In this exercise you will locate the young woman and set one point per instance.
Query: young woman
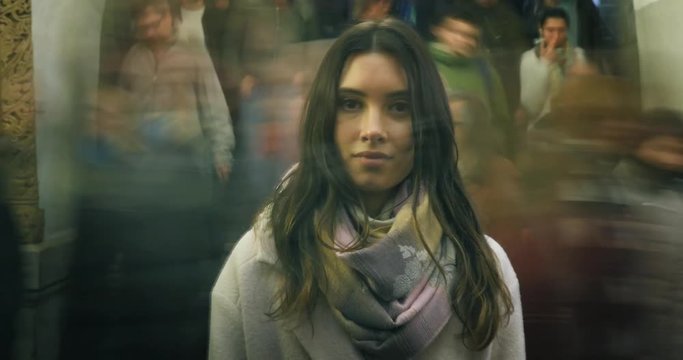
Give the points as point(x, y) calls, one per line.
point(369, 247)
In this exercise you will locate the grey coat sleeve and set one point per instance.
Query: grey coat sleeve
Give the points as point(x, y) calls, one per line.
point(213, 111)
point(226, 326)
point(226, 335)
point(509, 342)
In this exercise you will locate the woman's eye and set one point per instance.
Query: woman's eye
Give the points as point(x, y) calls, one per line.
point(400, 108)
point(350, 105)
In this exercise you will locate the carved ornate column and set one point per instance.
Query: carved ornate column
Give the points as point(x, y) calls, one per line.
point(17, 115)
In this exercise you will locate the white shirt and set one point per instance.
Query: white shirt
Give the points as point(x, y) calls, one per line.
point(535, 78)
point(191, 30)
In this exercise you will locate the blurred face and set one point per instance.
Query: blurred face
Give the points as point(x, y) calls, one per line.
point(376, 10)
point(221, 4)
point(554, 32)
point(155, 25)
point(461, 38)
point(373, 131)
point(664, 152)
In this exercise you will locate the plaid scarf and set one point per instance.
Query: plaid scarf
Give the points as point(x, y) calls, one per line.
point(390, 296)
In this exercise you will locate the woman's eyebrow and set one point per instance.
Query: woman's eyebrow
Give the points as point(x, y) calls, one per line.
point(402, 94)
point(349, 91)
point(391, 95)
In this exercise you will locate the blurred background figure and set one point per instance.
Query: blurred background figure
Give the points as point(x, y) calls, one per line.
point(365, 10)
point(464, 67)
point(147, 248)
point(544, 67)
point(588, 30)
point(502, 34)
point(491, 179)
point(265, 65)
point(654, 171)
point(652, 180)
point(591, 279)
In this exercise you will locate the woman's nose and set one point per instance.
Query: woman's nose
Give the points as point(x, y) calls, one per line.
point(372, 127)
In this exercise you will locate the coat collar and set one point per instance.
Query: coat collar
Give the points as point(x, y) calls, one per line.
point(320, 334)
point(263, 234)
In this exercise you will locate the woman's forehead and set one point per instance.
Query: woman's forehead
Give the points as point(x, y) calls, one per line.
point(373, 69)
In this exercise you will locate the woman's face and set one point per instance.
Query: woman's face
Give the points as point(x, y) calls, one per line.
point(373, 131)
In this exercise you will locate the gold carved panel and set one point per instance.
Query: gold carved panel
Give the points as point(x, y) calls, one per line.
point(17, 123)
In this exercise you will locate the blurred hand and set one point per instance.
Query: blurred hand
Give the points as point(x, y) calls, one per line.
point(247, 86)
point(222, 171)
point(548, 51)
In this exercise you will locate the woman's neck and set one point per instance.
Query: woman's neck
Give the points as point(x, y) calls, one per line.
point(374, 202)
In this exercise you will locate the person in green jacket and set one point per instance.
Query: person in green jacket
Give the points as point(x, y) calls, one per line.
point(464, 66)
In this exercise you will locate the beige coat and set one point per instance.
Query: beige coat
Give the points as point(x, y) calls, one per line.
point(241, 330)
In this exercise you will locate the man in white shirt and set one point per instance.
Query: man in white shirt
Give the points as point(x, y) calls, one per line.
point(544, 67)
point(191, 29)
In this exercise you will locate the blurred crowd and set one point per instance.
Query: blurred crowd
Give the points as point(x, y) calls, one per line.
point(196, 118)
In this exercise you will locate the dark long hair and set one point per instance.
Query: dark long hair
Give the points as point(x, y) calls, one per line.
point(304, 206)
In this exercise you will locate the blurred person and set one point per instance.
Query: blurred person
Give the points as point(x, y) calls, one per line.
point(203, 25)
point(544, 67)
point(354, 256)
point(11, 289)
point(590, 255)
point(372, 9)
point(257, 35)
point(263, 65)
point(491, 180)
point(154, 151)
point(658, 158)
point(176, 91)
point(502, 34)
point(427, 10)
point(464, 67)
point(653, 185)
point(588, 30)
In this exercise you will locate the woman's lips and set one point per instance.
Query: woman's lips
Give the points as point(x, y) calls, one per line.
point(371, 158)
